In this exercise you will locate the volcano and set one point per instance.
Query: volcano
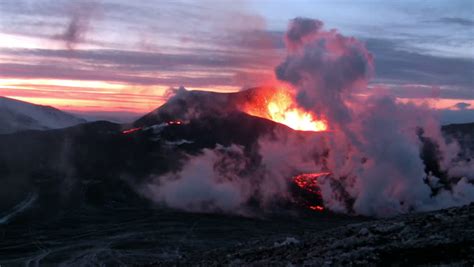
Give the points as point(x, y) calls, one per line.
point(77, 166)
point(95, 170)
point(272, 103)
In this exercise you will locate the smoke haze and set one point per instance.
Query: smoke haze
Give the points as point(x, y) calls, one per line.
point(385, 157)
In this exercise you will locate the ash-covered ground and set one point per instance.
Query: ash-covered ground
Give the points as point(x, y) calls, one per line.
point(73, 197)
point(136, 236)
point(70, 197)
point(441, 238)
point(151, 237)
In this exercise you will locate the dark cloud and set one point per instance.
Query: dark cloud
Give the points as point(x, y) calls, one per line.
point(374, 155)
point(457, 116)
point(215, 68)
point(402, 66)
point(452, 77)
point(301, 29)
point(462, 105)
point(66, 72)
point(323, 65)
point(432, 76)
point(204, 45)
point(75, 31)
point(256, 39)
point(458, 21)
point(206, 22)
point(425, 91)
point(132, 59)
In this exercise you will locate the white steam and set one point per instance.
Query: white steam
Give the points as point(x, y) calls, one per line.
point(228, 180)
point(375, 154)
point(374, 151)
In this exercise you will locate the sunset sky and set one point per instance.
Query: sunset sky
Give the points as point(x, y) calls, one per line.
point(117, 58)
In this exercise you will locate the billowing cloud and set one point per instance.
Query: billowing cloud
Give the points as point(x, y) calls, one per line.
point(458, 21)
point(383, 157)
point(374, 155)
point(324, 65)
point(462, 106)
point(214, 46)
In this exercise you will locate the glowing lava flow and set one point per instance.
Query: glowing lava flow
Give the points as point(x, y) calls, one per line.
point(279, 105)
point(308, 182)
point(129, 131)
point(316, 208)
point(175, 122)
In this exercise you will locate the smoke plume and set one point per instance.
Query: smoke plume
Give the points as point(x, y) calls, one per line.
point(78, 23)
point(224, 179)
point(375, 153)
point(384, 157)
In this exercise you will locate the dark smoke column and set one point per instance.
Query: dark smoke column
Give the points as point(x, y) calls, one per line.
point(374, 152)
point(324, 66)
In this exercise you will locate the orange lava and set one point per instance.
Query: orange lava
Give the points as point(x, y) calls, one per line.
point(279, 105)
point(316, 208)
point(175, 123)
point(308, 181)
point(129, 131)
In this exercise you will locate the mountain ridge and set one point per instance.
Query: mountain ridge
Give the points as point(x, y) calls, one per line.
point(16, 115)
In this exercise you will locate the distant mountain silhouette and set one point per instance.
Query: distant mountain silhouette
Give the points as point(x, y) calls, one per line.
point(17, 116)
point(99, 164)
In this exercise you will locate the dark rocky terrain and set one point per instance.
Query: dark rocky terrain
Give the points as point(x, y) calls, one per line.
point(69, 196)
point(443, 237)
point(139, 236)
point(17, 116)
point(76, 166)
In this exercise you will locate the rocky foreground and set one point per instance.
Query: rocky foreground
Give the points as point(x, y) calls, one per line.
point(434, 238)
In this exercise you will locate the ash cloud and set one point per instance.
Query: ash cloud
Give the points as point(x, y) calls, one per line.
point(374, 155)
point(74, 32)
point(224, 179)
point(78, 23)
point(324, 66)
point(385, 157)
point(462, 106)
point(457, 21)
point(204, 184)
point(234, 179)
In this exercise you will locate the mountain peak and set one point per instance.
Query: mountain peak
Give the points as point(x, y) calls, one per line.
point(16, 115)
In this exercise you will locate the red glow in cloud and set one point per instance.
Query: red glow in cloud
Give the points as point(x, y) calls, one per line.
point(278, 104)
point(324, 67)
point(374, 161)
point(374, 155)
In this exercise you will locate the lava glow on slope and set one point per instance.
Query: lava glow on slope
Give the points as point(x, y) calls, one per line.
point(129, 131)
point(279, 105)
point(309, 183)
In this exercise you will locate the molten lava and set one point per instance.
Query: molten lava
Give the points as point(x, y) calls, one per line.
point(129, 131)
point(308, 182)
point(279, 105)
point(316, 208)
point(175, 122)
